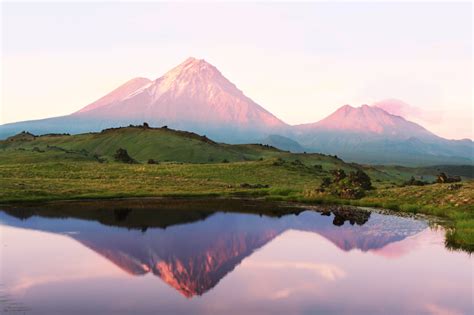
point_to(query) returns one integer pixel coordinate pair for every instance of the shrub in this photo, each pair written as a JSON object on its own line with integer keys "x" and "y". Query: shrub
{"x": 318, "y": 167}
{"x": 253, "y": 186}
{"x": 326, "y": 182}
{"x": 98, "y": 158}
{"x": 360, "y": 179}
{"x": 297, "y": 162}
{"x": 414, "y": 182}
{"x": 36, "y": 149}
{"x": 443, "y": 178}
{"x": 338, "y": 175}
{"x": 351, "y": 193}
{"x": 279, "y": 162}
{"x": 454, "y": 186}
{"x": 346, "y": 187}
{"x": 121, "y": 155}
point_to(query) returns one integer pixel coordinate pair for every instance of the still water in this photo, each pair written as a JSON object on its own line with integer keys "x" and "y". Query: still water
{"x": 162, "y": 260}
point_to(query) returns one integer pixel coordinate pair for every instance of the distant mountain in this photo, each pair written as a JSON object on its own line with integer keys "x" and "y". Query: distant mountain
{"x": 369, "y": 134}
{"x": 283, "y": 143}
{"x": 370, "y": 121}
{"x": 195, "y": 96}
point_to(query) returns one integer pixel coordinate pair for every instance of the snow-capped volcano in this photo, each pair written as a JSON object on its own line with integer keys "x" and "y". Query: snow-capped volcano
{"x": 193, "y": 94}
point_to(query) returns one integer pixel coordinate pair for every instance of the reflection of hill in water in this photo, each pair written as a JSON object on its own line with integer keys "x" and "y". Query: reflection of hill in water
{"x": 194, "y": 255}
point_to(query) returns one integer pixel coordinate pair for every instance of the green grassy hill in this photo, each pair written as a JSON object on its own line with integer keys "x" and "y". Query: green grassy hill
{"x": 161, "y": 144}
{"x": 173, "y": 146}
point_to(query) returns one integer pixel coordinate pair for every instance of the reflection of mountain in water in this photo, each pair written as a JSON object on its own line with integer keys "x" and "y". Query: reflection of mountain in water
{"x": 378, "y": 232}
{"x": 193, "y": 257}
{"x": 190, "y": 257}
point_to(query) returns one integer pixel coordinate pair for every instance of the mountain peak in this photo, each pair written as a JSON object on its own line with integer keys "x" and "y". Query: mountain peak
{"x": 364, "y": 109}
{"x": 345, "y": 108}
{"x": 195, "y": 61}
{"x": 192, "y": 69}
{"x": 194, "y": 64}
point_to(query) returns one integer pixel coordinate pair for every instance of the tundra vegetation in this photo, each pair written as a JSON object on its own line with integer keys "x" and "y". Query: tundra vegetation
{"x": 140, "y": 161}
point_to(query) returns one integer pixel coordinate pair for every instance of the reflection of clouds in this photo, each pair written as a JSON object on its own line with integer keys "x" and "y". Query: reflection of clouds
{"x": 71, "y": 232}
{"x": 281, "y": 294}
{"x": 434, "y": 309}
{"x": 411, "y": 243}
{"x": 326, "y": 271}
{"x": 26, "y": 282}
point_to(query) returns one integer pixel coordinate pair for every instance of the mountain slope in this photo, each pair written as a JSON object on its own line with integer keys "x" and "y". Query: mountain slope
{"x": 118, "y": 94}
{"x": 283, "y": 143}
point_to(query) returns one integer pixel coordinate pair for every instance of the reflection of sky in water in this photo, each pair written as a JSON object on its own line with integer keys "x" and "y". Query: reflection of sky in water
{"x": 233, "y": 263}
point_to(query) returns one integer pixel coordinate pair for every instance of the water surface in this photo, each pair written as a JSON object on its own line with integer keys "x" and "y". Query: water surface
{"x": 162, "y": 261}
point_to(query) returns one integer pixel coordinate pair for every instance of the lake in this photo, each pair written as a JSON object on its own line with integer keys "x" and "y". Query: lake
{"x": 226, "y": 257}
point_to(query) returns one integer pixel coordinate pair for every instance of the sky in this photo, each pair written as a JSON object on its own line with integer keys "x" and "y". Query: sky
{"x": 300, "y": 61}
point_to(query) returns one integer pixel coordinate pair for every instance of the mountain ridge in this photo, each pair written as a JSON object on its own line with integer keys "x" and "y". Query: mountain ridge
{"x": 195, "y": 96}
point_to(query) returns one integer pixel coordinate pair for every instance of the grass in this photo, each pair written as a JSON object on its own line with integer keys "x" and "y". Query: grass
{"x": 436, "y": 200}
{"x": 78, "y": 180}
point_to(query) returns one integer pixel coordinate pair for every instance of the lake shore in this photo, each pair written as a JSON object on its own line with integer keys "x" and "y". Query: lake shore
{"x": 458, "y": 221}
{"x": 268, "y": 180}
